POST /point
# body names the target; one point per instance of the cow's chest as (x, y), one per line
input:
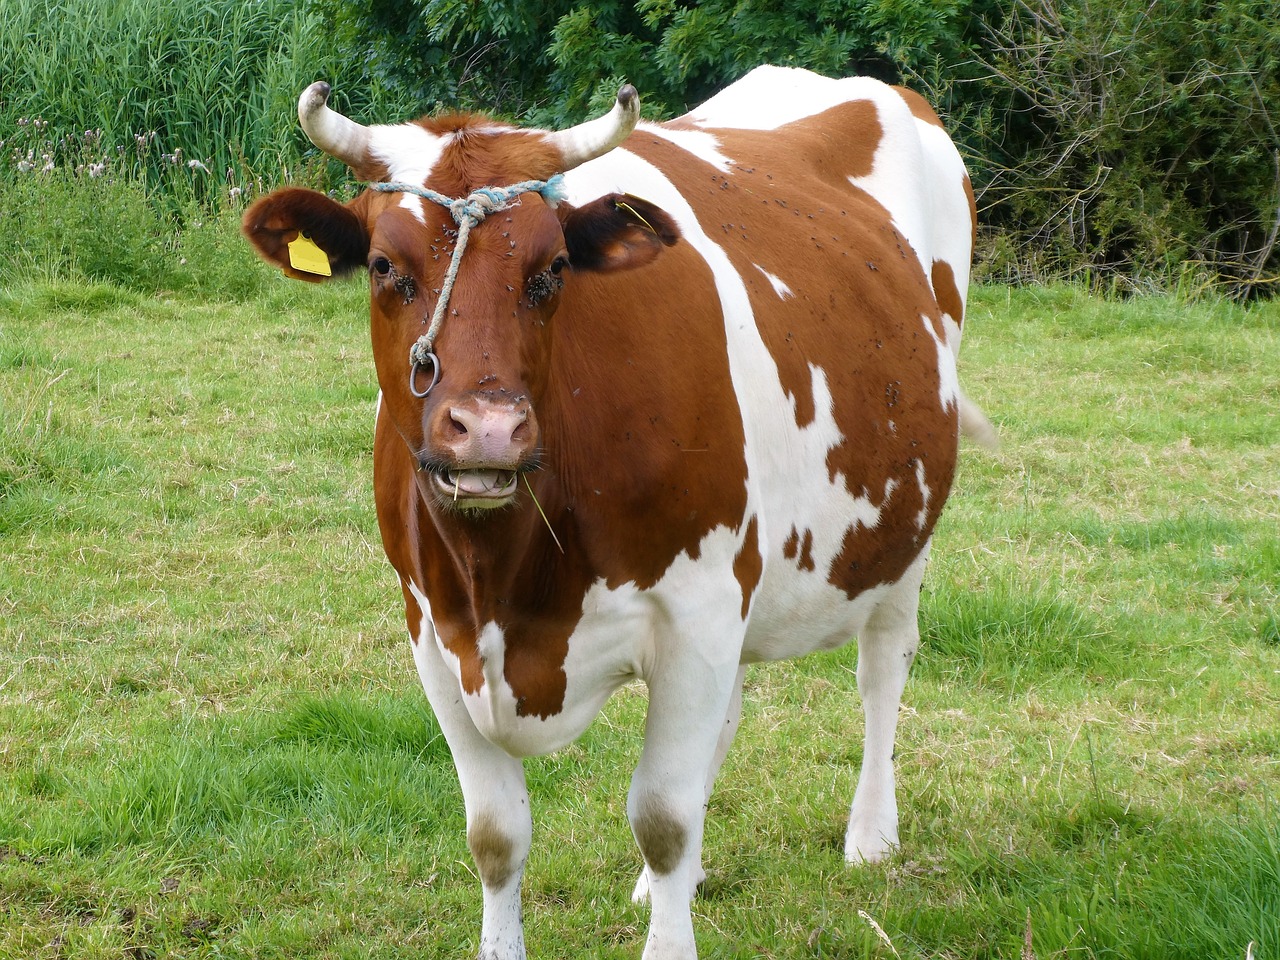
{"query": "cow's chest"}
(532, 684)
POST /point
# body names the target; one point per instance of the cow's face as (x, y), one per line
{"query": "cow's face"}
(474, 430)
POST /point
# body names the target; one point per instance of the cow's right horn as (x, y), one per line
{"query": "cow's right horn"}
(597, 137)
(341, 138)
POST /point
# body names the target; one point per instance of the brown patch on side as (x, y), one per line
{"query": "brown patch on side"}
(492, 850)
(660, 836)
(748, 565)
(973, 214)
(806, 552)
(768, 213)
(792, 544)
(862, 300)
(946, 292)
(663, 406)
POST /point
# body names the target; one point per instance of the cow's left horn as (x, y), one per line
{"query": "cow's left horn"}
(597, 137)
(341, 138)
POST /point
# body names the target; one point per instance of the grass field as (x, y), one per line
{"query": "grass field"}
(213, 743)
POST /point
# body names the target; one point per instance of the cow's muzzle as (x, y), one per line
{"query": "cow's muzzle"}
(478, 448)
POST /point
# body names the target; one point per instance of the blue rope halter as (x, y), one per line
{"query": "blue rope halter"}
(467, 212)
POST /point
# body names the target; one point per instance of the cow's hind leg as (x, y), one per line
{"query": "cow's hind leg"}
(499, 823)
(727, 732)
(886, 648)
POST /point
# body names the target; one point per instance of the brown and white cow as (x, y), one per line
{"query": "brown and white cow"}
(696, 407)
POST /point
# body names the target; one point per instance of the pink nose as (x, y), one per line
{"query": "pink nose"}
(481, 433)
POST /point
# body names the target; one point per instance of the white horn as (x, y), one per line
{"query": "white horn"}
(336, 135)
(596, 137)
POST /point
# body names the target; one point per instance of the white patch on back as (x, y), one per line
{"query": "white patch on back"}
(779, 285)
(768, 97)
(702, 145)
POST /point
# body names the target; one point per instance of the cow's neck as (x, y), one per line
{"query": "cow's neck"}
(502, 560)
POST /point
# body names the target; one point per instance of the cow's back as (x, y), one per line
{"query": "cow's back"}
(821, 232)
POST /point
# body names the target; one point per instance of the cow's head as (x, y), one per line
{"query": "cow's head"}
(461, 384)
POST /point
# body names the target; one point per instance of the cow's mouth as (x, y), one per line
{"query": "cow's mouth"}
(476, 488)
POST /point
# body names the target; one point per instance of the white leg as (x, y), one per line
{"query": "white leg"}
(886, 648)
(727, 732)
(499, 824)
(688, 713)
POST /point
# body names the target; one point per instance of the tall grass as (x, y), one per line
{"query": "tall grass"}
(132, 133)
(215, 81)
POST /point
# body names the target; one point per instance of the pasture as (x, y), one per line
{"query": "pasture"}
(214, 743)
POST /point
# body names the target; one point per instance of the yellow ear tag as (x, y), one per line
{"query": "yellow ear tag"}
(304, 255)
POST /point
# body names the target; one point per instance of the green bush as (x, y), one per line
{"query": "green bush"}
(559, 66)
(1134, 140)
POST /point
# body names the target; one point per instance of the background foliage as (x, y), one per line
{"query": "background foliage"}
(1134, 138)
(1132, 142)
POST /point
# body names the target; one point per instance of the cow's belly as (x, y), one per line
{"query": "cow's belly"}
(797, 611)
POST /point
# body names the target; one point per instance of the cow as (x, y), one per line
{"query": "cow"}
(657, 401)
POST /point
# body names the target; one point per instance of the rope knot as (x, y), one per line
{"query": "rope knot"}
(471, 208)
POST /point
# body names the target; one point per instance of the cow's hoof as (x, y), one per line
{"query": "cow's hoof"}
(868, 846)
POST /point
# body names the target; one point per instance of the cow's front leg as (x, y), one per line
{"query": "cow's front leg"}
(728, 729)
(688, 705)
(499, 824)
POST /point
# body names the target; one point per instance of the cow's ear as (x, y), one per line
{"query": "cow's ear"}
(302, 232)
(617, 232)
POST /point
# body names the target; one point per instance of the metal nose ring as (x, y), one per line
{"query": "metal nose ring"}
(432, 359)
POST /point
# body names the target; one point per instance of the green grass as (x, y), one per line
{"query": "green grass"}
(214, 744)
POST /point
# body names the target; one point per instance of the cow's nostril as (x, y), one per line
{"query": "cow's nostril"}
(457, 427)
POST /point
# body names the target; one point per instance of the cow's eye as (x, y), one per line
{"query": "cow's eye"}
(381, 266)
(558, 264)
